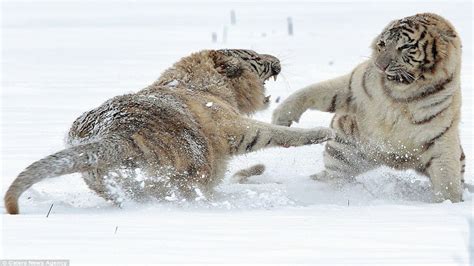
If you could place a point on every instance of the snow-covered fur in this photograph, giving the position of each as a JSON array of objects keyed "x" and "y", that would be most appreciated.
[
  {"x": 400, "y": 108},
  {"x": 173, "y": 138}
]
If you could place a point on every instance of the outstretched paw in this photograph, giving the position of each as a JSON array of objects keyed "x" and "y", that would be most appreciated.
[
  {"x": 286, "y": 114},
  {"x": 319, "y": 135}
]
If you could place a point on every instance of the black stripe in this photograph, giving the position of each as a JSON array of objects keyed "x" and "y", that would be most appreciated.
[
  {"x": 417, "y": 43},
  {"x": 336, "y": 154},
  {"x": 240, "y": 143},
  {"x": 349, "y": 95},
  {"x": 363, "y": 83},
  {"x": 349, "y": 98},
  {"x": 422, "y": 35},
  {"x": 427, "y": 165},
  {"x": 254, "y": 67},
  {"x": 407, "y": 29},
  {"x": 341, "y": 121},
  {"x": 431, "y": 117},
  {"x": 423, "y": 22},
  {"x": 423, "y": 169},
  {"x": 413, "y": 59},
  {"x": 354, "y": 127},
  {"x": 269, "y": 141},
  {"x": 241, "y": 52},
  {"x": 332, "y": 107},
  {"x": 405, "y": 46},
  {"x": 386, "y": 90},
  {"x": 437, "y": 102},
  {"x": 408, "y": 36},
  {"x": 342, "y": 141},
  {"x": 265, "y": 70},
  {"x": 434, "y": 50},
  {"x": 253, "y": 142},
  {"x": 429, "y": 90},
  {"x": 406, "y": 60},
  {"x": 425, "y": 59},
  {"x": 430, "y": 143}
]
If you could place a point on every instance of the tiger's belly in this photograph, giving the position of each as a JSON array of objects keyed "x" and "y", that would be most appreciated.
[
  {"x": 391, "y": 132},
  {"x": 386, "y": 137}
]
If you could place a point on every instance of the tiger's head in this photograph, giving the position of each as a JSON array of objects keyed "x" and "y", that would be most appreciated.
[
  {"x": 416, "y": 48},
  {"x": 235, "y": 75},
  {"x": 247, "y": 72},
  {"x": 263, "y": 65}
]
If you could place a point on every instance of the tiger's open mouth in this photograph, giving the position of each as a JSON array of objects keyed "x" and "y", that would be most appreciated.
[
  {"x": 266, "y": 100},
  {"x": 404, "y": 78},
  {"x": 398, "y": 74}
]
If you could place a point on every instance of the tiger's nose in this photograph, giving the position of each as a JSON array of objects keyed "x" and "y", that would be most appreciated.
[
  {"x": 383, "y": 63},
  {"x": 276, "y": 70},
  {"x": 380, "y": 66}
]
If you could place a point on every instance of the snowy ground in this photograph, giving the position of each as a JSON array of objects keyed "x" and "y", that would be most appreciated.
[{"x": 61, "y": 58}]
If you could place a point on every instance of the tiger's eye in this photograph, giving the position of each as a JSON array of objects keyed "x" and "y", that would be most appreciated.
[{"x": 405, "y": 47}]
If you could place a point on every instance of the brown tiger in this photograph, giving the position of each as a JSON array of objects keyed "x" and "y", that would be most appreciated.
[
  {"x": 400, "y": 108},
  {"x": 172, "y": 139}
]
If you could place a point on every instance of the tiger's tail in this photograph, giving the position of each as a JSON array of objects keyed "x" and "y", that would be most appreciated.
[{"x": 71, "y": 160}]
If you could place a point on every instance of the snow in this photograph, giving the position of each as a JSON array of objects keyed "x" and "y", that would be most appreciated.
[{"x": 61, "y": 58}]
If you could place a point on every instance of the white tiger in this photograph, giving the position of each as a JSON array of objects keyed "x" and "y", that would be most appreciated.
[{"x": 400, "y": 108}]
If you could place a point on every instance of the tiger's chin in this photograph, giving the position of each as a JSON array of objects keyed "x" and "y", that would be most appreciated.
[{"x": 399, "y": 79}]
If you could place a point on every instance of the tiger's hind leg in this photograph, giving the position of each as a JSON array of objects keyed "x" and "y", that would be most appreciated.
[
  {"x": 344, "y": 158},
  {"x": 243, "y": 175},
  {"x": 462, "y": 159},
  {"x": 114, "y": 185},
  {"x": 465, "y": 185},
  {"x": 96, "y": 181},
  {"x": 343, "y": 161}
]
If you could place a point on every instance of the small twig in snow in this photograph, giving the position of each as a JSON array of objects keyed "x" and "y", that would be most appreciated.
[{"x": 50, "y": 208}]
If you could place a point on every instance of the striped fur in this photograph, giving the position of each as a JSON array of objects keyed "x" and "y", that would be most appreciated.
[
  {"x": 172, "y": 139},
  {"x": 400, "y": 108}
]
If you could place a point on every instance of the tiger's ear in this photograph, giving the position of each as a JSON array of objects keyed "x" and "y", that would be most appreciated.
[
  {"x": 227, "y": 65},
  {"x": 446, "y": 33},
  {"x": 440, "y": 26}
]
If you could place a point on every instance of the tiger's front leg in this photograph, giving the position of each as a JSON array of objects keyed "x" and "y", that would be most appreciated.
[
  {"x": 443, "y": 167},
  {"x": 326, "y": 96},
  {"x": 249, "y": 135},
  {"x": 446, "y": 179}
]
